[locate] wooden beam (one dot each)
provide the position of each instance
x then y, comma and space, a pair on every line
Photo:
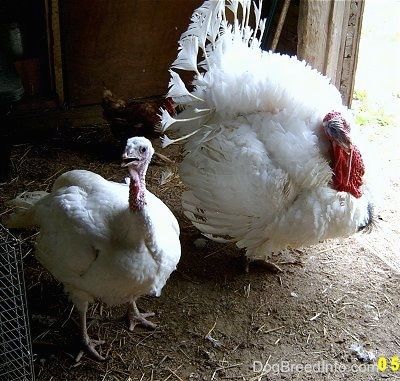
336, 26
279, 27
313, 32
328, 39
57, 53
351, 44
320, 34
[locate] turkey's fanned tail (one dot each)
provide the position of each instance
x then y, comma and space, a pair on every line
233, 76
208, 34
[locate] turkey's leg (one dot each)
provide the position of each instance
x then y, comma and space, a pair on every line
88, 344
135, 317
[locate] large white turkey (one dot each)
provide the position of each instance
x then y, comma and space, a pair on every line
104, 240
272, 156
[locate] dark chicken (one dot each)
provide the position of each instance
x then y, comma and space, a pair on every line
134, 117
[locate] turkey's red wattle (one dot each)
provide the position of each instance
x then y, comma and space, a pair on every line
348, 170
347, 164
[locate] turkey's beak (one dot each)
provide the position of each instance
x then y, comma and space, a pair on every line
128, 160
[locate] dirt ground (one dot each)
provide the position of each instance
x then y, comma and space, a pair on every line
216, 322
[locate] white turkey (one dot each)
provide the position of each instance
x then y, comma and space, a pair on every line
272, 156
104, 240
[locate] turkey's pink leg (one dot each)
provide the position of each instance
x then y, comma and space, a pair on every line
88, 344
135, 317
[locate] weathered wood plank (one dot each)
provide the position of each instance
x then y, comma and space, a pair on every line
314, 19
328, 35
55, 48
351, 44
128, 44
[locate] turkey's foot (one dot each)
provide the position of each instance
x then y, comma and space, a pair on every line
88, 347
135, 317
133, 321
260, 263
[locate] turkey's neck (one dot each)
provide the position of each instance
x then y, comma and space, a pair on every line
137, 189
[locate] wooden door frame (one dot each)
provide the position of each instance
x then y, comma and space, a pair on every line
329, 34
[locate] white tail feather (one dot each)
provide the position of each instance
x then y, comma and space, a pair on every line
166, 120
187, 55
166, 141
178, 91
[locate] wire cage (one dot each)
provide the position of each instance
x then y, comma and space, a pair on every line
16, 362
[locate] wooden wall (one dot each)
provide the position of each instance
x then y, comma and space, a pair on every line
127, 44
130, 44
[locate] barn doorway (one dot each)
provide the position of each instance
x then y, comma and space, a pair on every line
376, 106
376, 96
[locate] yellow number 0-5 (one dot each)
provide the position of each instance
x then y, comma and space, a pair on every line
395, 363
382, 364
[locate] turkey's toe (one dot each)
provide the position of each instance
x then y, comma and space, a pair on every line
147, 314
268, 266
88, 347
133, 321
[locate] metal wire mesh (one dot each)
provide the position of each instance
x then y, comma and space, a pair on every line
15, 342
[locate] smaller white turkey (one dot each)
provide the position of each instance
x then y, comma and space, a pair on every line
104, 240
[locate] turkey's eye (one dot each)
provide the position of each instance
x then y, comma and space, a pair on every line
143, 149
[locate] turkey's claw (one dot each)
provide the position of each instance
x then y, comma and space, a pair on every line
88, 347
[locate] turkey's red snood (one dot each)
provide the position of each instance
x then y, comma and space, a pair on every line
347, 164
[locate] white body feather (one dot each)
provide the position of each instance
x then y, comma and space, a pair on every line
92, 243
257, 162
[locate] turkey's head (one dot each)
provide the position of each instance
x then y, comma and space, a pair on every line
347, 164
137, 154
136, 157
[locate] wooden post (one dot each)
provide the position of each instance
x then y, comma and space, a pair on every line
351, 44
334, 45
313, 29
56, 49
323, 30
279, 27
